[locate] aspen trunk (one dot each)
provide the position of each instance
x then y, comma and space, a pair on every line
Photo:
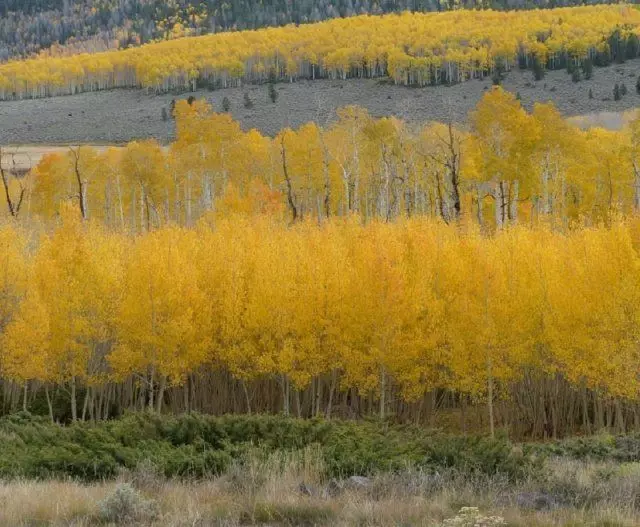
501, 203
463, 414
74, 408
480, 212
513, 201
120, 205
490, 398
185, 397
188, 200
133, 211
161, 389
85, 404
546, 207
285, 395
318, 394
620, 425
151, 388
49, 405
383, 391
246, 396
332, 389
585, 412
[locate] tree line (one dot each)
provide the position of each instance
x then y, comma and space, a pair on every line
365, 268
71, 26
410, 48
508, 166
532, 329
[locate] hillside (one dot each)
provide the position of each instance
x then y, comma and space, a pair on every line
409, 49
284, 262
29, 26
119, 116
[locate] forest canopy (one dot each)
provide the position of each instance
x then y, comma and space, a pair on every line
409, 48
369, 268
72, 26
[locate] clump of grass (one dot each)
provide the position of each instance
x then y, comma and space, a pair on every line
472, 517
145, 476
125, 504
301, 513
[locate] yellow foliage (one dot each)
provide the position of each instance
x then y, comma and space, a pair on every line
411, 48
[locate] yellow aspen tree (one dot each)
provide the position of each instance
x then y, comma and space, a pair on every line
76, 276
505, 136
164, 315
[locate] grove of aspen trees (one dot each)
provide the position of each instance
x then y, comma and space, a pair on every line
410, 48
66, 27
488, 277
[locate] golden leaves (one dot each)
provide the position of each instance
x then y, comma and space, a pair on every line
410, 48
416, 302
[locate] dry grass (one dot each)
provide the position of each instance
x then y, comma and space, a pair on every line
267, 491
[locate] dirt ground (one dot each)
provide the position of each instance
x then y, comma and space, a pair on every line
123, 115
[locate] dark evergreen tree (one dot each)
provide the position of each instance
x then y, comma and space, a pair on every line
616, 92
575, 75
226, 104
538, 69
633, 46
498, 73
273, 93
587, 68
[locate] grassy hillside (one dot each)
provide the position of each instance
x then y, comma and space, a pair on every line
117, 116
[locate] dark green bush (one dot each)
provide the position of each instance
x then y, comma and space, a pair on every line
603, 447
199, 446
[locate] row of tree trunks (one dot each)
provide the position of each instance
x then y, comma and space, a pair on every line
546, 408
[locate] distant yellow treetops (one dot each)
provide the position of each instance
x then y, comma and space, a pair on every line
411, 48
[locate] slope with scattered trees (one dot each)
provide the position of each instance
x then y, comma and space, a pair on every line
72, 26
411, 49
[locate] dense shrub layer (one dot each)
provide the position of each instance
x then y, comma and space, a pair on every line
197, 446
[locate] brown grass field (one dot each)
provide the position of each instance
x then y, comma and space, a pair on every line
285, 489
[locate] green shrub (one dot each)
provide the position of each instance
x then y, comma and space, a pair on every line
602, 447
199, 446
